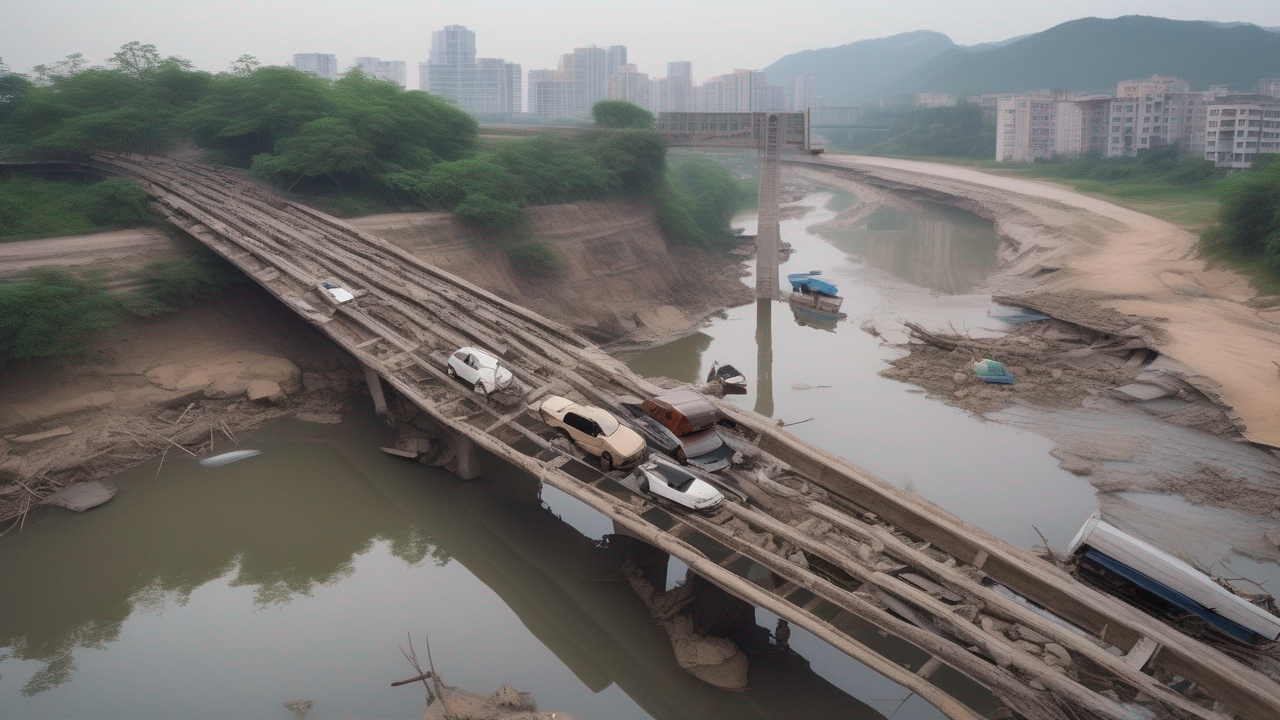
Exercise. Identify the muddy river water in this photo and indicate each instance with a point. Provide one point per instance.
(224, 592)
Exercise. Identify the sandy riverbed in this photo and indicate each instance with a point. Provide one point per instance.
(1091, 254)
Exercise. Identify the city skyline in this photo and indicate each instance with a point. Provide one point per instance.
(716, 37)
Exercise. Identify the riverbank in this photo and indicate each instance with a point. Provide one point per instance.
(1112, 269)
(189, 382)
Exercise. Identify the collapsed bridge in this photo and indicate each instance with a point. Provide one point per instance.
(823, 543)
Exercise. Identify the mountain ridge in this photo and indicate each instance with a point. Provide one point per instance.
(1088, 54)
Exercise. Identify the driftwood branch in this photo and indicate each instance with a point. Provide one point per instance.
(917, 332)
(423, 677)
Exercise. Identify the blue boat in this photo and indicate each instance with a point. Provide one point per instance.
(814, 296)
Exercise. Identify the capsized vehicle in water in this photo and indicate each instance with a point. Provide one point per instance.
(679, 485)
(1162, 584)
(594, 430)
(813, 296)
(729, 376)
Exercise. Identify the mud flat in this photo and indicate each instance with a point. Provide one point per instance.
(1109, 269)
(190, 382)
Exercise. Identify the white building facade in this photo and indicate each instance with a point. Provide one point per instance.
(478, 86)
(390, 70)
(319, 64)
(631, 85)
(1240, 128)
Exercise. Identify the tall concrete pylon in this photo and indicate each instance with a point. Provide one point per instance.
(767, 234)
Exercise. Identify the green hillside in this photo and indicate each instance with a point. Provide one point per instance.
(852, 74)
(1093, 54)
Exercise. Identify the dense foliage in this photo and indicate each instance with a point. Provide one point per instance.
(1249, 216)
(697, 202)
(1164, 164)
(960, 131)
(52, 313)
(36, 207)
(619, 114)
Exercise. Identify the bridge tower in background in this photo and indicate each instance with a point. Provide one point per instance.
(767, 232)
(771, 134)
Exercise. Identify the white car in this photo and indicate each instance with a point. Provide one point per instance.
(479, 369)
(594, 430)
(335, 292)
(675, 483)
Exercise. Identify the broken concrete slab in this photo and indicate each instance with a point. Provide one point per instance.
(265, 391)
(82, 496)
(1138, 392)
(47, 434)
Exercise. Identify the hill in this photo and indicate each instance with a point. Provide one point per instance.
(852, 74)
(1093, 54)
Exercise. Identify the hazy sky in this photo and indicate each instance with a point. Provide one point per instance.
(716, 36)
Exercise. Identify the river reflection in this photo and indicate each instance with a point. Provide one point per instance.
(825, 378)
(937, 246)
(219, 592)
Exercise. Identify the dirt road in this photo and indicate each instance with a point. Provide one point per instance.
(137, 246)
(1092, 252)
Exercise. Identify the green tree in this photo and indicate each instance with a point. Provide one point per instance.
(325, 148)
(52, 313)
(554, 169)
(1249, 215)
(244, 65)
(136, 59)
(620, 114)
(960, 131)
(635, 158)
(66, 67)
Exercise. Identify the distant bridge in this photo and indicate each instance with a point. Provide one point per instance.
(840, 555)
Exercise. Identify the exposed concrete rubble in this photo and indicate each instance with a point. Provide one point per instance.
(714, 660)
(505, 703)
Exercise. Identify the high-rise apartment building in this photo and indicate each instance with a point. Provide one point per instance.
(584, 75)
(1240, 128)
(1269, 86)
(390, 70)
(478, 86)
(739, 91)
(675, 91)
(318, 64)
(550, 94)
(633, 86)
(1026, 128)
(617, 57)
(805, 92)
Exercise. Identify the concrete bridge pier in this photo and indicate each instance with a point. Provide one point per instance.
(465, 456)
(374, 381)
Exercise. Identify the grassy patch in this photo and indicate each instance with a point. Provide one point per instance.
(536, 258)
(54, 314)
(32, 207)
(1191, 207)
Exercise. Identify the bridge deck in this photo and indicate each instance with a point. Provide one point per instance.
(409, 315)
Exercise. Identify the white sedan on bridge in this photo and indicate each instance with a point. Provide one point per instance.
(678, 484)
(479, 369)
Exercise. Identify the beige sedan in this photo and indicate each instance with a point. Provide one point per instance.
(594, 430)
